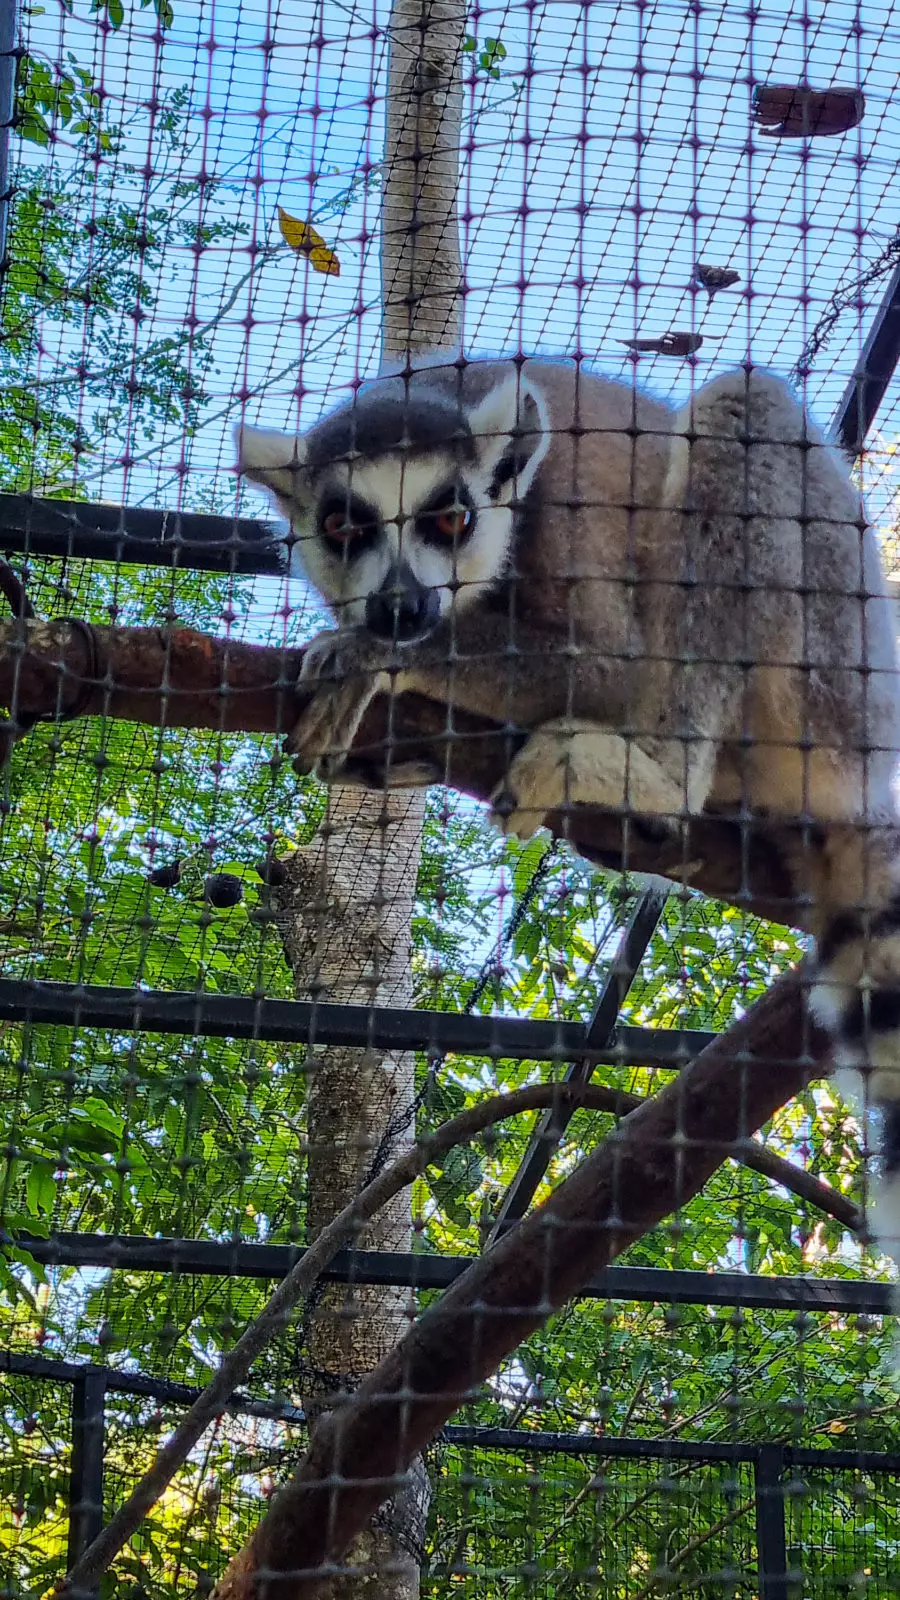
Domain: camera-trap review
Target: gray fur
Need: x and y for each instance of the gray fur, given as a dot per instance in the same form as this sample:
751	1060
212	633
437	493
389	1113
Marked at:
679	608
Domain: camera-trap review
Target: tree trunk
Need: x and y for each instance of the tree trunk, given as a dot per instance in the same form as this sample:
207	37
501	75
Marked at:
346	907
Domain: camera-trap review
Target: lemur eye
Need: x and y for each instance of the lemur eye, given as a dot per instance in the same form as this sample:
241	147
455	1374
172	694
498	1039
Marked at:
453	523
347	528
336	526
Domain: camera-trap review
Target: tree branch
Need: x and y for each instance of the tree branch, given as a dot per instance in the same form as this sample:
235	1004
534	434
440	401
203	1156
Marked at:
180	678
658	1158
300	1280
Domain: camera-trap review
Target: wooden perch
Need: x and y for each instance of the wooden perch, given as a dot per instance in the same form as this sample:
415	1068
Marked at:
658	1158
179	678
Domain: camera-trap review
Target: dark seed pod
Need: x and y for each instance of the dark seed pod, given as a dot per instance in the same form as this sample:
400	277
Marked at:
223	890
164	877
271	870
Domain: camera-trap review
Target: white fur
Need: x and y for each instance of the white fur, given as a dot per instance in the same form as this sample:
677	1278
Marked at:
269	458
398	485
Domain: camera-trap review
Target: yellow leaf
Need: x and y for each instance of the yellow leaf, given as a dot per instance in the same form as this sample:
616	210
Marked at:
837	1427
302	237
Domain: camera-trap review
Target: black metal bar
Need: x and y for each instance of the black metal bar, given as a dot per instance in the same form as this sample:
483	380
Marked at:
580	1444
485	1438
300	1022
8	60
577	1444
137	534
874	370
396	1269
86	1472
139	1383
553	1122
771	1546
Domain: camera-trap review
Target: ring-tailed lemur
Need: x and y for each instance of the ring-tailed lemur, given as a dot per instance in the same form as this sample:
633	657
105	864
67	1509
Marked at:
678	608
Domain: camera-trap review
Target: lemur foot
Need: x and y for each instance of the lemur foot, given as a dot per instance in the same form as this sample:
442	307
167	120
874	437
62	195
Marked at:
347	679
569	763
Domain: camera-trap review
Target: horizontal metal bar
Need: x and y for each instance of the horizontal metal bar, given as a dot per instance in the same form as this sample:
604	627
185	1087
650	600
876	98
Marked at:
140	1383
137	534
398	1269
300	1022
577	1444
511	1439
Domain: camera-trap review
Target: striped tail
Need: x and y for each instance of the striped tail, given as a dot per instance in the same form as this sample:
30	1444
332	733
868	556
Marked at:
856	996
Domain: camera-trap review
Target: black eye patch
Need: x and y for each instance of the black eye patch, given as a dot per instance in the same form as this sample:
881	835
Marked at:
447	520
347	525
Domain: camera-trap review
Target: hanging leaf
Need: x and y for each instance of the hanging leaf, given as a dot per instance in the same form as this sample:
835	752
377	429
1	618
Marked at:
788	111
668	344
302	237
712	279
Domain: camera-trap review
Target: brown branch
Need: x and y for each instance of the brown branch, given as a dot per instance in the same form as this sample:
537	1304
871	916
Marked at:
691	1548
300	1280
179	678
658	1158
14	593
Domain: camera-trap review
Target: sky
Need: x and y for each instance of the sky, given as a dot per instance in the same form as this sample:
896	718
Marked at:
628	155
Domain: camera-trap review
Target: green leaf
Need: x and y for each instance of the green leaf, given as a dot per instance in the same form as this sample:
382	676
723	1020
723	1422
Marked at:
40	1189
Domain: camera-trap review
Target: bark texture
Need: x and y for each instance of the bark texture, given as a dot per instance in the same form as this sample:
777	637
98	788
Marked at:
659	1157
346	909
421	269
345	913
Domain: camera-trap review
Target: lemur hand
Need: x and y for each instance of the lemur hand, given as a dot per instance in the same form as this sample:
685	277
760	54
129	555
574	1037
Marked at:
348	668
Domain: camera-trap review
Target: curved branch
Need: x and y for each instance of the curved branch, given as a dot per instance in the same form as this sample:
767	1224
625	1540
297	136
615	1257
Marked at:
657	1159
299	1281
270	1321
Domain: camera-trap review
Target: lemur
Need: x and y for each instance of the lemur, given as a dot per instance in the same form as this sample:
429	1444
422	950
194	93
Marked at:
678	607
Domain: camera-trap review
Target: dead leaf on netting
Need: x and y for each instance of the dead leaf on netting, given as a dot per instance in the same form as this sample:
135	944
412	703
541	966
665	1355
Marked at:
302	237
669	344
712	279
788	111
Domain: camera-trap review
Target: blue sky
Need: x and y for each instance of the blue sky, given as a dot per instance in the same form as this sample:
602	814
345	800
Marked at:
631	151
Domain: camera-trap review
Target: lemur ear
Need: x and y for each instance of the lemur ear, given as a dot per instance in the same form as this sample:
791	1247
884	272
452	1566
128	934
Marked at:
512	436
273	459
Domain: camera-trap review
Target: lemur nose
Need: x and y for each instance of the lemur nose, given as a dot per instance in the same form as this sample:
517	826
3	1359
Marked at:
402	609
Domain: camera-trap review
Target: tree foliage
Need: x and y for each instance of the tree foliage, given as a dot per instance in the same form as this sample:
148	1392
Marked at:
146	1134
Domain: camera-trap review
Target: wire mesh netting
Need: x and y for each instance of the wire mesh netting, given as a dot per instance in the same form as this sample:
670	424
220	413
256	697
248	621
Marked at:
606	734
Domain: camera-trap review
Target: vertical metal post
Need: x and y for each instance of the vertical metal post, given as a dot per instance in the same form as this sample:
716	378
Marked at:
8	58
86	1476
771	1545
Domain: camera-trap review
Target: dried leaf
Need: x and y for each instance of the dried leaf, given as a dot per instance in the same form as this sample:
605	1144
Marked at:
302	237
788	111
712	279
670	344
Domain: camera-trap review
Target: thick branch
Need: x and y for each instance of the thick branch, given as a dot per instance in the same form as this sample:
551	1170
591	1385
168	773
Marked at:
179	678
658	1158
421	268
343	1229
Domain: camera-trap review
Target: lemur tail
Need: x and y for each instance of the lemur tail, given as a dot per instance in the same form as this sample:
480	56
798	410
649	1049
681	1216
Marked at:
856	996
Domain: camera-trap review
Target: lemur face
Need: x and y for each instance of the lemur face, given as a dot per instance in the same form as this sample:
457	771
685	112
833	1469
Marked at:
402	503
